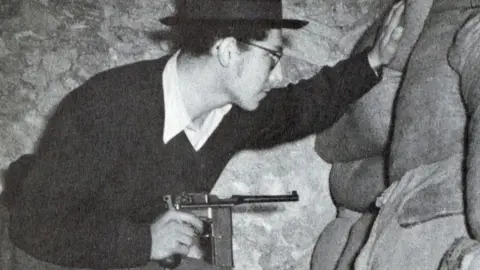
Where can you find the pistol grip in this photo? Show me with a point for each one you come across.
(171, 262)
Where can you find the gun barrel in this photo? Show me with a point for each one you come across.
(266, 198)
(206, 205)
(240, 199)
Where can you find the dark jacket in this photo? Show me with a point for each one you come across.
(100, 167)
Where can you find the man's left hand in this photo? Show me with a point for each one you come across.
(386, 45)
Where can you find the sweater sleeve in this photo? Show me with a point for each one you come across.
(60, 218)
(307, 107)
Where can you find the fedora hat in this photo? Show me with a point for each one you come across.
(266, 12)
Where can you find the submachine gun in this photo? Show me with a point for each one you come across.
(216, 214)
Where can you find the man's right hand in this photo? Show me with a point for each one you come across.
(173, 233)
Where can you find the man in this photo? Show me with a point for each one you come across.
(429, 200)
(129, 135)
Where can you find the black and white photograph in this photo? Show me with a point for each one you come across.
(239, 134)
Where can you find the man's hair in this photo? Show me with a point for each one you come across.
(199, 38)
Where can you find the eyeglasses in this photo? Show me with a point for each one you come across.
(276, 55)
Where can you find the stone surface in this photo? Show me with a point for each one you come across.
(49, 47)
(9, 9)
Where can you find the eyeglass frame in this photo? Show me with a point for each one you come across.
(277, 55)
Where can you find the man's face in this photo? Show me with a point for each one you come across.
(258, 71)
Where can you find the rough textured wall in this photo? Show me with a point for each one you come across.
(48, 47)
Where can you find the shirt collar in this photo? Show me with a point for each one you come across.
(176, 116)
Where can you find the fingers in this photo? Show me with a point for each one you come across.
(393, 20)
(182, 236)
(181, 249)
(185, 229)
(390, 14)
(186, 223)
(396, 12)
(189, 219)
(184, 239)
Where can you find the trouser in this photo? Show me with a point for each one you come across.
(419, 247)
(341, 240)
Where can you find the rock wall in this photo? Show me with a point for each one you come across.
(48, 47)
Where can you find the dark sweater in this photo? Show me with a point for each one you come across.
(101, 167)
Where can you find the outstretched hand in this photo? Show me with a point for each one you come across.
(386, 45)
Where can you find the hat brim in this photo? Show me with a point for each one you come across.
(284, 23)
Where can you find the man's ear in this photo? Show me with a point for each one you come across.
(226, 51)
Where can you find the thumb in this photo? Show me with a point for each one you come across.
(397, 33)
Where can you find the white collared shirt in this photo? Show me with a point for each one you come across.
(176, 116)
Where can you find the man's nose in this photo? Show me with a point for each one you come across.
(276, 76)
